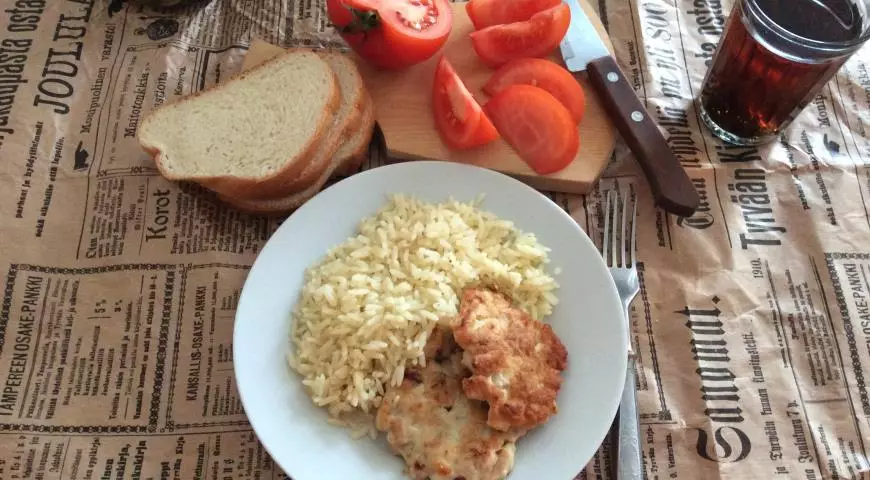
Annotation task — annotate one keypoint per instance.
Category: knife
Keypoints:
(582, 49)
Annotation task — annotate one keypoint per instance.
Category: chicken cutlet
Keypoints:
(441, 434)
(515, 360)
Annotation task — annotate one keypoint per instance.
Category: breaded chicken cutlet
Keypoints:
(441, 434)
(515, 360)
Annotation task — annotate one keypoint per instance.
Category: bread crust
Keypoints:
(353, 162)
(274, 184)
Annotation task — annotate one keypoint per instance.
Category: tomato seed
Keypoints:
(421, 22)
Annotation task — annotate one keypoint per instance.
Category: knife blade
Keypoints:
(583, 50)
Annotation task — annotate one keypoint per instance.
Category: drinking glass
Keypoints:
(772, 60)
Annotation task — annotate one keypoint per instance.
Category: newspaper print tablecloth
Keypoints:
(752, 326)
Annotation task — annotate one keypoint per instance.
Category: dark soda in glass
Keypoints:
(774, 57)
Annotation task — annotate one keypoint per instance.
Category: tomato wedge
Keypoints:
(536, 125)
(458, 117)
(392, 34)
(485, 13)
(544, 74)
(535, 37)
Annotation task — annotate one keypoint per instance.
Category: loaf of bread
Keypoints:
(269, 138)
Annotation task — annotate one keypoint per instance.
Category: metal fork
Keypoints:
(620, 255)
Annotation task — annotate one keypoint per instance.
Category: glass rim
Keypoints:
(826, 46)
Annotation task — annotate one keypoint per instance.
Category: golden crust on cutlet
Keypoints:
(515, 360)
(441, 434)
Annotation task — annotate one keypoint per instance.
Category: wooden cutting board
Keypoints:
(403, 111)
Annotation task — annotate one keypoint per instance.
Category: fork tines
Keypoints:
(616, 220)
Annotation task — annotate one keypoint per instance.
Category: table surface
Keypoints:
(752, 327)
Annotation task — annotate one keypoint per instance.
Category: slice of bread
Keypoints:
(352, 152)
(347, 119)
(252, 135)
(356, 149)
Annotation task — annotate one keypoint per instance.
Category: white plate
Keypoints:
(587, 319)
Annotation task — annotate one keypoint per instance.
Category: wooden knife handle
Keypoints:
(671, 187)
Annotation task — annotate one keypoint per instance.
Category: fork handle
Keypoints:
(629, 462)
(625, 430)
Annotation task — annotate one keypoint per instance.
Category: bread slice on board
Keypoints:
(352, 152)
(251, 136)
(356, 150)
(353, 95)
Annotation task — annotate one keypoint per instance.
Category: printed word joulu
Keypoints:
(53, 88)
(62, 62)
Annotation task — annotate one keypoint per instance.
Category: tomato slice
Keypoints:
(545, 74)
(485, 13)
(392, 33)
(536, 125)
(535, 37)
(458, 117)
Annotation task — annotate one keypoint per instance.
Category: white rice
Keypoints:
(367, 308)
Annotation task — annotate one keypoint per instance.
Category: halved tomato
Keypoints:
(458, 117)
(545, 74)
(392, 33)
(535, 37)
(484, 13)
(536, 125)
